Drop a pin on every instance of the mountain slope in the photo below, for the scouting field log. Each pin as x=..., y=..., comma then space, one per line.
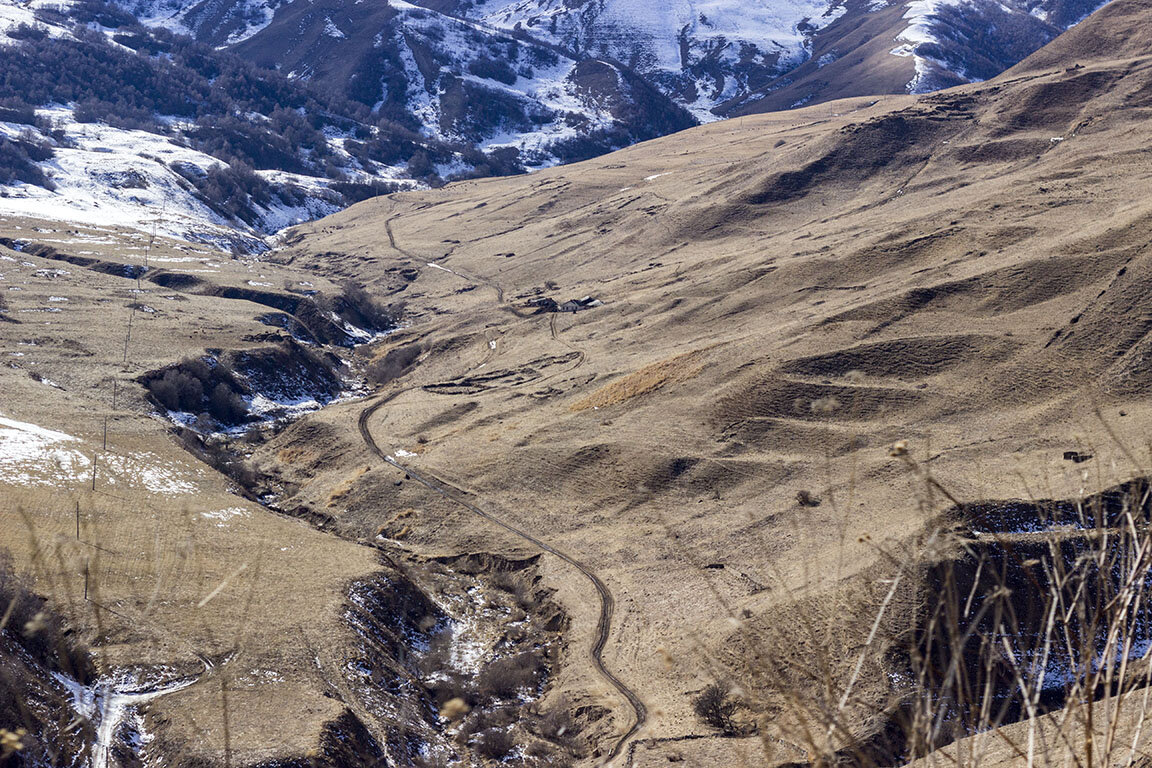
x=398, y=98
x=720, y=370
x=784, y=296
x=463, y=82
x=717, y=59
x=396, y=94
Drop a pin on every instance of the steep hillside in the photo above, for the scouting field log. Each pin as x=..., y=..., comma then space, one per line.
x=324, y=104
x=778, y=300
x=690, y=414
x=464, y=82
x=218, y=145
x=104, y=121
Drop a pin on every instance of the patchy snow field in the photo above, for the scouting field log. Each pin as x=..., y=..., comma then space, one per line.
x=672, y=36
x=13, y=14
x=113, y=177
x=33, y=456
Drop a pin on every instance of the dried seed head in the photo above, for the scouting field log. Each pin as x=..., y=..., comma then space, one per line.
x=454, y=709
x=898, y=448
x=36, y=625
x=11, y=741
x=824, y=405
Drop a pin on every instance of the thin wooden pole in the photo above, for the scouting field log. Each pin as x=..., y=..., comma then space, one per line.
x=128, y=335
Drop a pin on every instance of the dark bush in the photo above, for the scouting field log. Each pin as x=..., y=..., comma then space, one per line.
x=806, y=499
x=226, y=406
x=492, y=69
x=495, y=744
x=312, y=322
x=194, y=366
x=365, y=310
x=356, y=192
x=115, y=114
x=18, y=158
x=420, y=165
x=506, y=677
x=558, y=725
x=715, y=707
x=34, y=626
x=178, y=391
x=246, y=474
x=394, y=364
x=28, y=32
x=104, y=14
x=18, y=111
x=234, y=192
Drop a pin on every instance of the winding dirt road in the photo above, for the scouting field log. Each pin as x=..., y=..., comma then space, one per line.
x=607, y=601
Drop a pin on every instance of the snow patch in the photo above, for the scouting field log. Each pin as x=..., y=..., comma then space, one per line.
x=34, y=456
x=222, y=516
x=331, y=30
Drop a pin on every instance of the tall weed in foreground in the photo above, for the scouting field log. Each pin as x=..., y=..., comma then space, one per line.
x=1007, y=632
x=57, y=609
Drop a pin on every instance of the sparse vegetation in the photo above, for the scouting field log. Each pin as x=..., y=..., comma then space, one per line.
x=805, y=498
x=365, y=310
x=35, y=642
x=506, y=677
x=717, y=708
x=648, y=379
x=394, y=364
x=495, y=744
x=19, y=158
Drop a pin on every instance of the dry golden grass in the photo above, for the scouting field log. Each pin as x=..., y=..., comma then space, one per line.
x=865, y=280
x=648, y=379
x=346, y=486
x=296, y=455
x=980, y=296
x=173, y=574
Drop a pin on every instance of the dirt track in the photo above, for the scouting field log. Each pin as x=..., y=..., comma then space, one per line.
x=607, y=601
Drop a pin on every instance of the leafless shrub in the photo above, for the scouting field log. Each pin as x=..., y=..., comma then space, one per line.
x=32, y=624
x=370, y=312
x=495, y=744
x=557, y=724
x=507, y=581
x=506, y=677
x=806, y=499
x=394, y=364
x=716, y=707
x=1033, y=614
x=178, y=391
x=226, y=405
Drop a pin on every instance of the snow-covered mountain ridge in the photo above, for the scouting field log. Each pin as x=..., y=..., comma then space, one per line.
x=291, y=109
